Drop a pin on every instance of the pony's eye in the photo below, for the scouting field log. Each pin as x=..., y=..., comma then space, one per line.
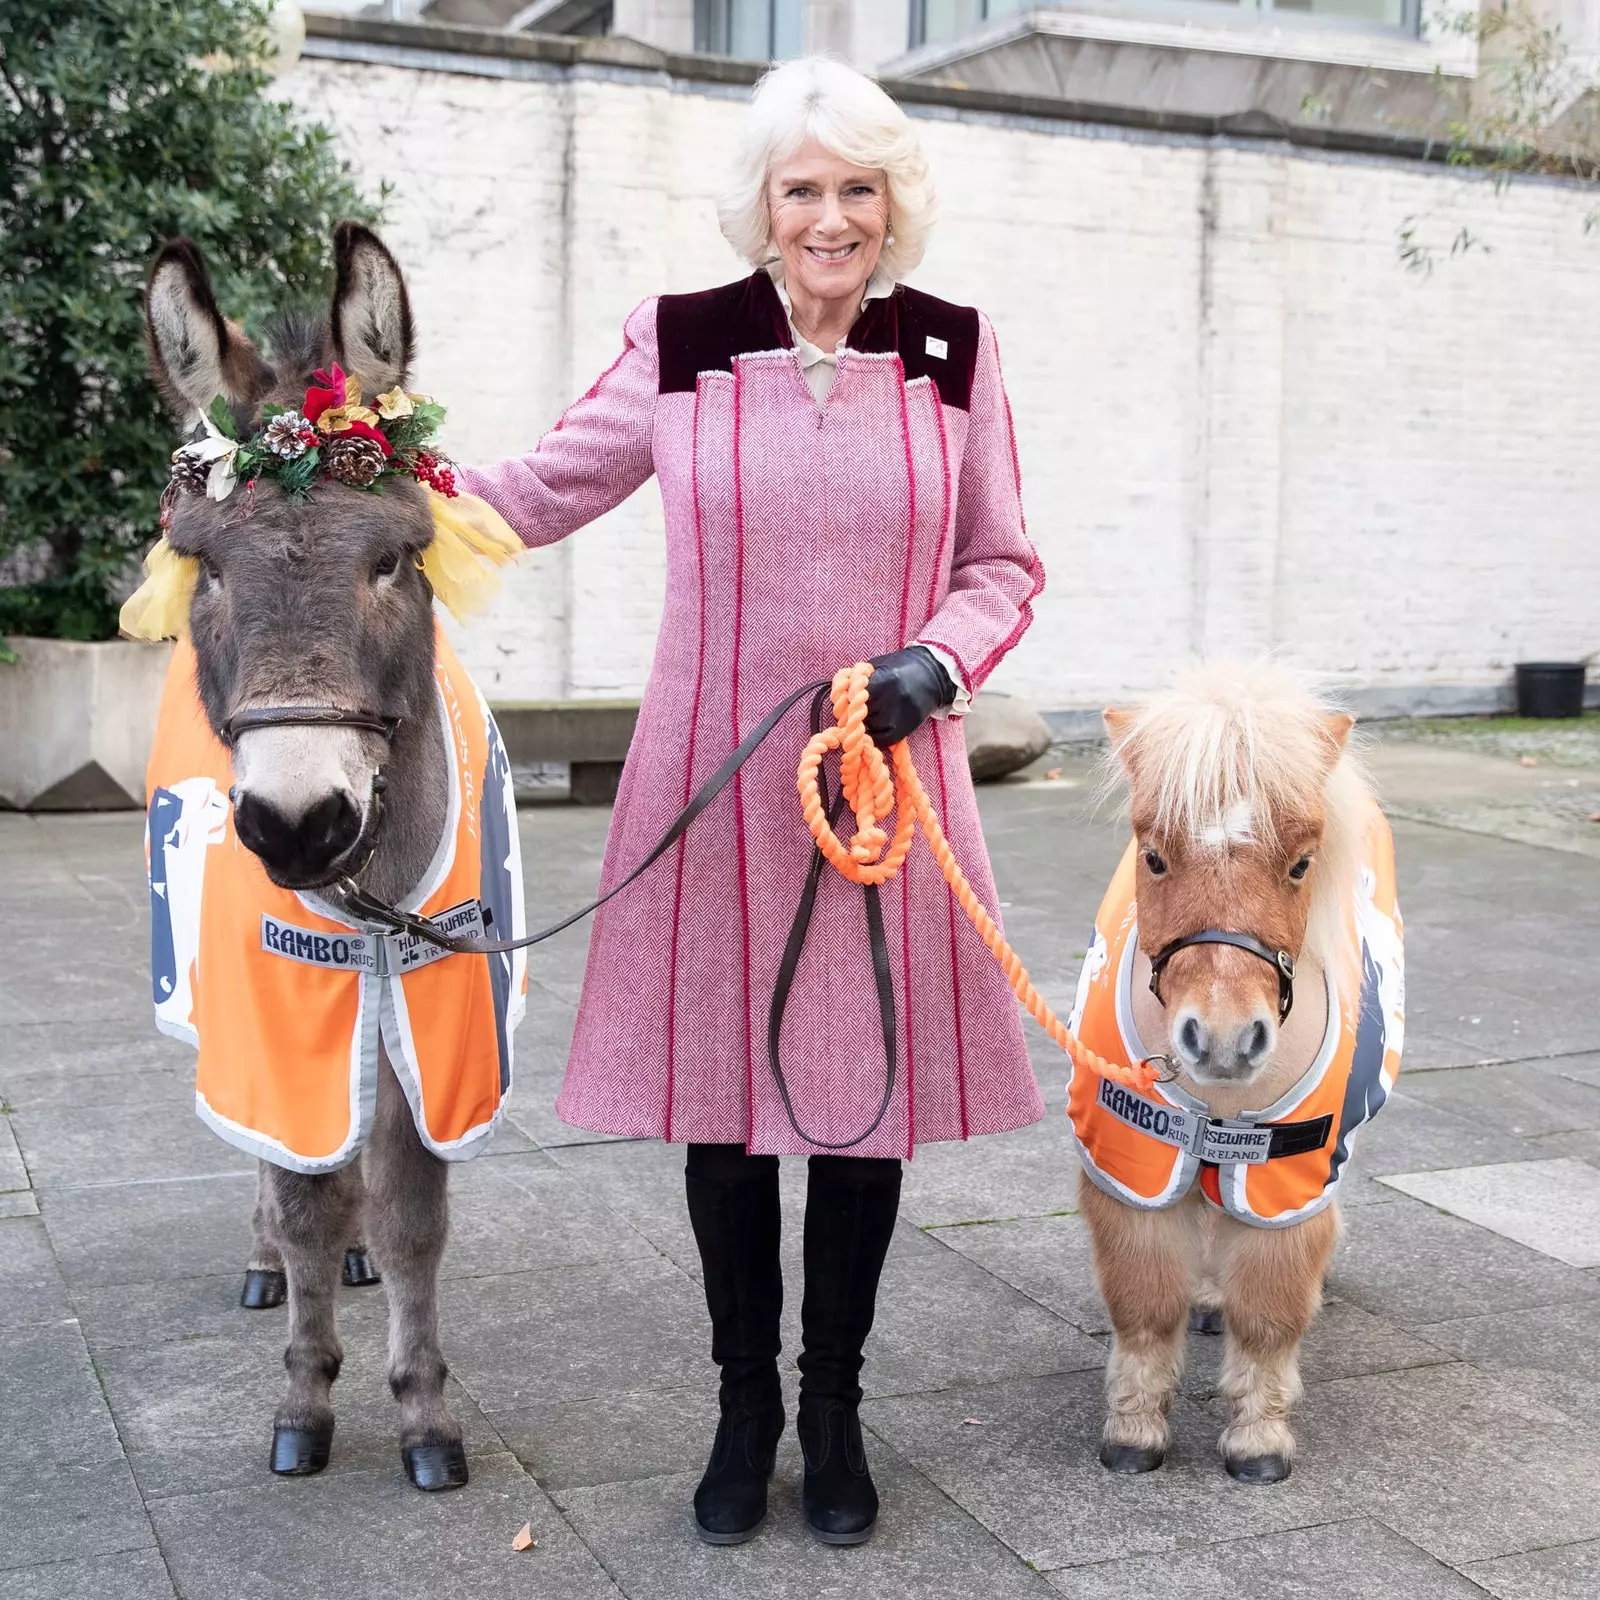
x=1298, y=871
x=386, y=567
x=1156, y=863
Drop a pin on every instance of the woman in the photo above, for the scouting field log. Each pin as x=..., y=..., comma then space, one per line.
x=839, y=476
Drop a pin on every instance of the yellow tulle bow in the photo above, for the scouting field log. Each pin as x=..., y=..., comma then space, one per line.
x=470, y=539
x=159, y=607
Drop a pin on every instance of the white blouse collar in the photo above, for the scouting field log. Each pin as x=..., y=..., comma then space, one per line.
x=879, y=287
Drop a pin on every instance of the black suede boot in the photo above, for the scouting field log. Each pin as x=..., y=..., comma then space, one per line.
x=851, y=1204
x=733, y=1205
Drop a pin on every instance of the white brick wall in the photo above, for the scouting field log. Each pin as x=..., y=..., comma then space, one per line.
x=1243, y=426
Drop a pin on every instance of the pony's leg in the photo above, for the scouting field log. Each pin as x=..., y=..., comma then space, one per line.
x=407, y=1221
x=360, y=1272
x=1272, y=1286
x=1205, y=1304
x=309, y=1218
x=265, y=1284
x=1142, y=1259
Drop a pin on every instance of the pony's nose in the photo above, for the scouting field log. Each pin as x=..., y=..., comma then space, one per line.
x=1226, y=1053
x=298, y=850
x=1192, y=1039
x=1256, y=1040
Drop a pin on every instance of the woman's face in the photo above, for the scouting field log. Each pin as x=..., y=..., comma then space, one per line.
x=829, y=220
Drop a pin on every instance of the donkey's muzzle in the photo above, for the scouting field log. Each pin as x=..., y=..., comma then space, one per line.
x=299, y=852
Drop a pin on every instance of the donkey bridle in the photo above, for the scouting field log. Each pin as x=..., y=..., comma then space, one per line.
x=1280, y=961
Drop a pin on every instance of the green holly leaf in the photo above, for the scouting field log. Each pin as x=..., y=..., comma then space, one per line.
x=221, y=415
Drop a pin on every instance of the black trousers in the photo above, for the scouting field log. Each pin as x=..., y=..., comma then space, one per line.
x=851, y=1203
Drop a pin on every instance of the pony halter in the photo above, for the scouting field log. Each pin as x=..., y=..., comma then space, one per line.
x=1280, y=961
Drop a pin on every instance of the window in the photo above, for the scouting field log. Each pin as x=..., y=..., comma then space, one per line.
x=939, y=21
x=753, y=30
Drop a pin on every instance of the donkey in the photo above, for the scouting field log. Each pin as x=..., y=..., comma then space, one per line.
x=315, y=602
x=266, y=1285
x=1252, y=944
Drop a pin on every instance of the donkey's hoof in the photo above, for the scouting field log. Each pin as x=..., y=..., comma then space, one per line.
x=432, y=1467
x=359, y=1272
x=263, y=1289
x=1131, y=1457
x=298, y=1452
x=1258, y=1469
x=1204, y=1321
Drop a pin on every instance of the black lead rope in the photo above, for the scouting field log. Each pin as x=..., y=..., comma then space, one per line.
x=882, y=975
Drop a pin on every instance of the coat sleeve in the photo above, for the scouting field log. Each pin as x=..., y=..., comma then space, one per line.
x=593, y=458
x=994, y=570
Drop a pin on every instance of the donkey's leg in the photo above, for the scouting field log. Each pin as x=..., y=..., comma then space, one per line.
x=1272, y=1282
x=407, y=1220
x=360, y=1272
x=265, y=1285
x=1142, y=1259
x=309, y=1218
x=1205, y=1304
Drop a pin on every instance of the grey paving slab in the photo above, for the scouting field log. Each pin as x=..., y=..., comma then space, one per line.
x=55, y=1413
x=133, y=1575
x=1549, y=1206
x=13, y=1170
x=31, y=1287
x=923, y=1546
x=1049, y=1259
x=1518, y=1098
x=1021, y=1457
x=1582, y=1144
x=19, y=1203
x=1030, y=1172
x=574, y=1332
x=150, y=1232
x=57, y=1513
x=1551, y=1353
x=127, y=1085
x=71, y=1146
x=1579, y=1068
x=195, y=1414
x=1413, y=1265
x=371, y=1533
x=90, y=1050
x=1357, y=1560
x=1563, y=1572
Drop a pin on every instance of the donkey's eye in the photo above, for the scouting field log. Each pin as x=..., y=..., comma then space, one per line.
x=386, y=567
x=1298, y=871
x=1156, y=863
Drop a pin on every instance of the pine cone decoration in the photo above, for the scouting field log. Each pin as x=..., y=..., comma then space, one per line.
x=189, y=473
x=285, y=435
x=354, y=460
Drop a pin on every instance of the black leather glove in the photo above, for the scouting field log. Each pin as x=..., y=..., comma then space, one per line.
x=905, y=689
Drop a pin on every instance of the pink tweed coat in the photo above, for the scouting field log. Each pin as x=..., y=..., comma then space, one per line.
x=799, y=539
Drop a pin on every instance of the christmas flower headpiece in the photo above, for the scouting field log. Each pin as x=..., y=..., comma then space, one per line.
x=335, y=435
x=332, y=433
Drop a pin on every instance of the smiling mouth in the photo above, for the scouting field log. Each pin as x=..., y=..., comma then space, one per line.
x=842, y=253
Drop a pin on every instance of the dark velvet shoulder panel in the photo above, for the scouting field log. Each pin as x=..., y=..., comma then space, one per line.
x=934, y=338
x=704, y=332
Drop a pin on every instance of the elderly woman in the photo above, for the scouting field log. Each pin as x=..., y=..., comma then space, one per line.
x=837, y=465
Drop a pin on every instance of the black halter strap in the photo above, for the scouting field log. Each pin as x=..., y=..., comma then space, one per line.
x=1280, y=961
x=305, y=717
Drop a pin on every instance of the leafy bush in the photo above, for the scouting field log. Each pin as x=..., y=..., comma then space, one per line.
x=123, y=123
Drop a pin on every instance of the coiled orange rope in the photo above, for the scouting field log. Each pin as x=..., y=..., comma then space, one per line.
x=872, y=793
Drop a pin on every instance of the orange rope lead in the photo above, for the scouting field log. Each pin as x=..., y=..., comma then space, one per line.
x=872, y=793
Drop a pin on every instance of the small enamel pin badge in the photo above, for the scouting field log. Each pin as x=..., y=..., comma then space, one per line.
x=937, y=348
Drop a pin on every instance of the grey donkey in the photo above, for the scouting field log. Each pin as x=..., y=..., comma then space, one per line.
x=318, y=602
x=266, y=1284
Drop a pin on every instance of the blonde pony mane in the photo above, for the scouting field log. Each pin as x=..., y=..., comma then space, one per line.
x=1229, y=750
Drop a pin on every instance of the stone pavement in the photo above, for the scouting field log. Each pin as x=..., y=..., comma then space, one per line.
x=1452, y=1381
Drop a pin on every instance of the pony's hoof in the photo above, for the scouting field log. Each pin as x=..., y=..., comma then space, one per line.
x=1204, y=1321
x=359, y=1272
x=263, y=1289
x=1131, y=1458
x=1259, y=1469
x=432, y=1467
x=298, y=1452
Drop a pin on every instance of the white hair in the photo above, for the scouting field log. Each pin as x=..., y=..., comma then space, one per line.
x=847, y=113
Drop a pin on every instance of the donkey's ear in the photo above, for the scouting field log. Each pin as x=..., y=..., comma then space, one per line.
x=371, y=310
x=1119, y=722
x=1337, y=726
x=195, y=352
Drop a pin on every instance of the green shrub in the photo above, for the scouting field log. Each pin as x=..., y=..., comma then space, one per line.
x=115, y=135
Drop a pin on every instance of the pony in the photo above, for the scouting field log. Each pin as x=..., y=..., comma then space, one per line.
x=316, y=601
x=1249, y=944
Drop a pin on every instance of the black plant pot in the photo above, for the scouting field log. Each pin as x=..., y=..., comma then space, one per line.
x=1550, y=688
